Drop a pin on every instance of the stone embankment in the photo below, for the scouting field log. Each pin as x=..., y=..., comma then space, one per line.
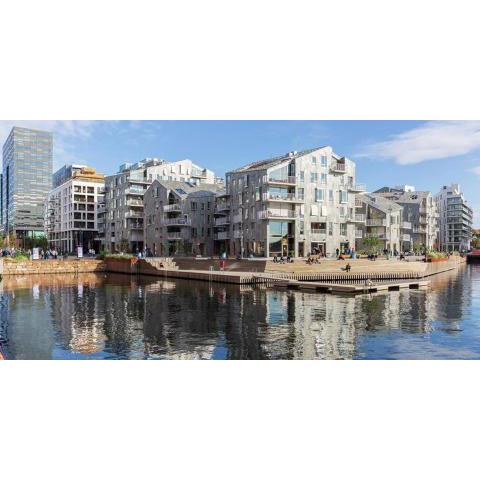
x=236, y=271
x=33, y=267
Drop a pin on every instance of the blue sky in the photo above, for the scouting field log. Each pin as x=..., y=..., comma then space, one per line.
x=426, y=154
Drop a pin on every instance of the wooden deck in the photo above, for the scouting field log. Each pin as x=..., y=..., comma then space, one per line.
x=351, y=288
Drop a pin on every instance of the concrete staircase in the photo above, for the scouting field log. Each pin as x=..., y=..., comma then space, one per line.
x=162, y=263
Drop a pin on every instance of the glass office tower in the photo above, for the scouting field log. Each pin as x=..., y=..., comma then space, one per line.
x=26, y=180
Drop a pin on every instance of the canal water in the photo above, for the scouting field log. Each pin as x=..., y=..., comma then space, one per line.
x=122, y=317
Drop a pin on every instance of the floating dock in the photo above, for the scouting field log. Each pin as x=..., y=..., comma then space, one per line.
x=369, y=287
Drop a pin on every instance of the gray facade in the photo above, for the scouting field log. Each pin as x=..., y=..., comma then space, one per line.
x=420, y=216
x=295, y=204
x=124, y=191
x=383, y=220
x=179, y=218
x=26, y=180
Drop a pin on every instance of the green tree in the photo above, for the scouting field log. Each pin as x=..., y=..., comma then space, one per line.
x=372, y=243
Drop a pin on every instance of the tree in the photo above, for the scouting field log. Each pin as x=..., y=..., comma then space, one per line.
x=123, y=245
x=372, y=243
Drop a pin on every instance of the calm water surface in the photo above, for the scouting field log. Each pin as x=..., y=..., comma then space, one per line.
x=122, y=317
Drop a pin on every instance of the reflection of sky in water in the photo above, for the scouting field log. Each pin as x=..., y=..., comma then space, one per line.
x=123, y=317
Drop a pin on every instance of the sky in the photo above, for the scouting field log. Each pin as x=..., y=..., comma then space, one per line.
x=425, y=154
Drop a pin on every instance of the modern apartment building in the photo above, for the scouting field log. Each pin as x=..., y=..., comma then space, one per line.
x=124, y=214
x=26, y=181
x=380, y=218
x=72, y=210
x=293, y=204
x=179, y=218
x=455, y=219
x=420, y=211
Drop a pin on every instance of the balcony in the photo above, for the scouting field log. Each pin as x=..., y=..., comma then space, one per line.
x=237, y=218
x=419, y=230
x=135, y=226
x=358, y=202
x=174, y=236
x=177, y=221
x=222, y=207
x=133, y=214
x=280, y=181
x=357, y=217
x=134, y=203
x=134, y=191
x=358, y=234
x=405, y=237
x=283, y=197
x=237, y=234
x=287, y=214
x=318, y=234
x=173, y=207
x=359, y=187
x=222, y=221
x=338, y=167
x=406, y=225
x=222, y=236
x=376, y=222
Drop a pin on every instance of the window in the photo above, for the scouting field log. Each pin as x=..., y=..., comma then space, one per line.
x=343, y=229
x=313, y=177
x=323, y=178
x=314, y=160
x=343, y=196
x=330, y=195
x=319, y=194
x=323, y=160
x=330, y=228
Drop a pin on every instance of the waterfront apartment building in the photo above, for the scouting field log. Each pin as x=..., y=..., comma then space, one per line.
x=419, y=212
x=26, y=181
x=455, y=219
x=179, y=218
x=382, y=219
x=293, y=204
x=72, y=210
x=124, y=192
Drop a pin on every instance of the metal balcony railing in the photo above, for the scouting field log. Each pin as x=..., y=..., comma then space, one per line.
x=174, y=207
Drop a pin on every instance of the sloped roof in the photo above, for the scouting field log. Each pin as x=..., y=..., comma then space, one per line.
x=380, y=202
x=271, y=162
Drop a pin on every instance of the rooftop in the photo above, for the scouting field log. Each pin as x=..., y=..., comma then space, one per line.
x=271, y=162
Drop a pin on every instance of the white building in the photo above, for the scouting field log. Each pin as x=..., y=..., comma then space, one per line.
x=72, y=207
x=455, y=219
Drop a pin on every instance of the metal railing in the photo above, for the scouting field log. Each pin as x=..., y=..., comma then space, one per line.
x=177, y=221
x=173, y=207
x=283, y=197
x=376, y=222
x=284, y=180
x=263, y=214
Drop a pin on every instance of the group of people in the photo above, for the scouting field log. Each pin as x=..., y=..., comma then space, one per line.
x=313, y=259
x=282, y=259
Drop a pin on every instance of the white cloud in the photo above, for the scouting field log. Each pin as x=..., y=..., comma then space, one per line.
x=475, y=170
x=65, y=133
x=431, y=141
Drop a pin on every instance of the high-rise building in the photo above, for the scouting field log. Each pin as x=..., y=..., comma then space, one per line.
x=27, y=180
x=72, y=210
x=455, y=219
x=124, y=193
x=294, y=204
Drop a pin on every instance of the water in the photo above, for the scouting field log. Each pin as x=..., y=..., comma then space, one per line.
x=122, y=317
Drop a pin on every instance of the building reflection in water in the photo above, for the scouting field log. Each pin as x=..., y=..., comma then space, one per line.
x=118, y=316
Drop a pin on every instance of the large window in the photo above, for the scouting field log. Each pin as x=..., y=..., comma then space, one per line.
x=278, y=233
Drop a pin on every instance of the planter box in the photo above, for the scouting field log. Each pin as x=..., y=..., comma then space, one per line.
x=435, y=260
